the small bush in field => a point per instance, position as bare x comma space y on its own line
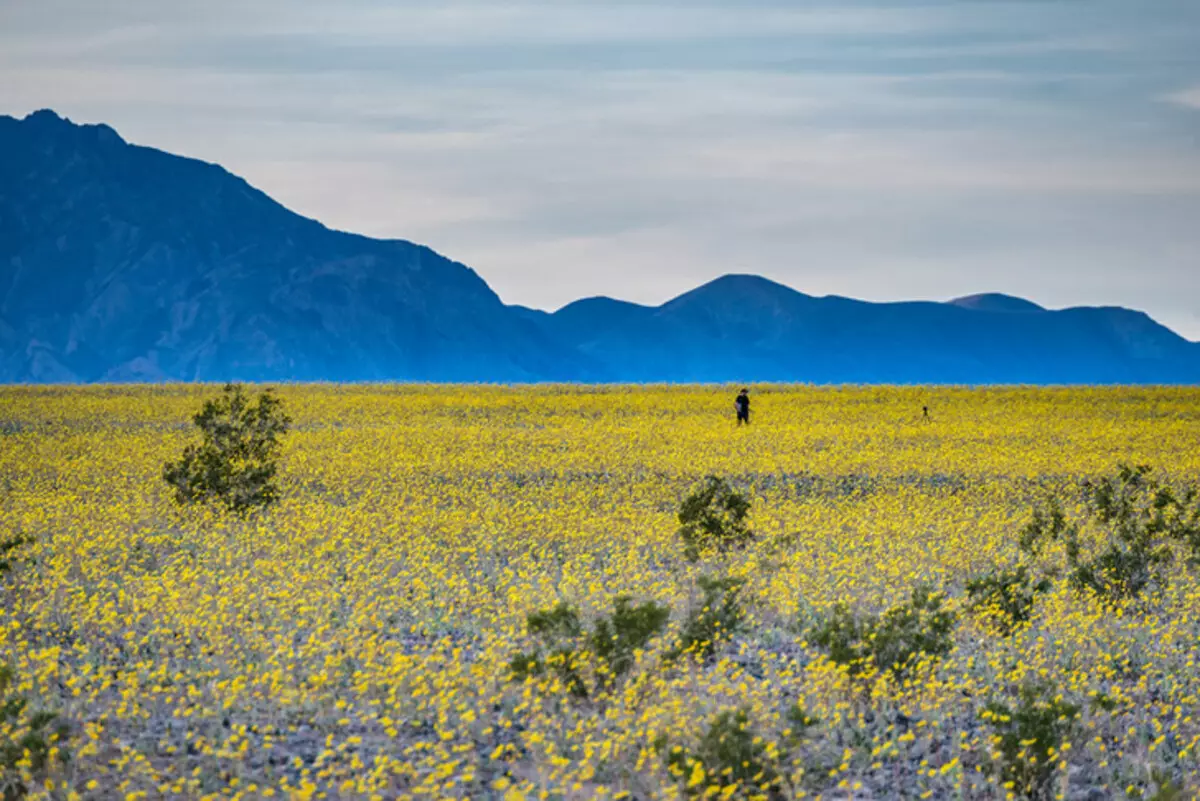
10, 551
1028, 739
29, 742
1140, 521
920, 626
558, 628
718, 616
894, 641
729, 760
615, 639
845, 638
610, 647
800, 722
713, 518
1006, 596
237, 458
1048, 524
1166, 788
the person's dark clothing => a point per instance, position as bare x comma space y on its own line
742, 404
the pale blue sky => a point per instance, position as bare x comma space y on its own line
873, 148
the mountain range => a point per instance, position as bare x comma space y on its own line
125, 263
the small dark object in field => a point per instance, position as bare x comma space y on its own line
741, 405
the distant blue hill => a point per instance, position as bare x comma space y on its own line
742, 326
120, 262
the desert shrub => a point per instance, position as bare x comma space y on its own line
920, 626
237, 458
894, 641
729, 759
616, 639
717, 616
1133, 500
1047, 525
845, 638
10, 551
800, 722
30, 742
713, 518
1166, 788
562, 661
1028, 739
1139, 520
558, 628
1006, 596
611, 646
558, 622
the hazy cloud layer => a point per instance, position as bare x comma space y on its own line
873, 148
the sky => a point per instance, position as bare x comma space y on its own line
876, 149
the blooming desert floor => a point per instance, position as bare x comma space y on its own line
356, 639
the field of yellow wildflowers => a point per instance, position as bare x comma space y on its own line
354, 640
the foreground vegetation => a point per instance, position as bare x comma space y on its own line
509, 593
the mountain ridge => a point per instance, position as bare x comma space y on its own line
122, 262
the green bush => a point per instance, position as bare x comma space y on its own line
1140, 520
713, 518
1029, 737
10, 551
559, 622
892, 642
1006, 596
728, 758
1166, 788
1048, 525
557, 628
845, 638
29, 742
718, 616
616, 639
1133, 500
800, 722
911, 629
610, 647
237, 458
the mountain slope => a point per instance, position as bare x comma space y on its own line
120, 262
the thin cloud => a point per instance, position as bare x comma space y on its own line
1188, 98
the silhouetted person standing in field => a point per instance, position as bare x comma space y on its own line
742, 404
